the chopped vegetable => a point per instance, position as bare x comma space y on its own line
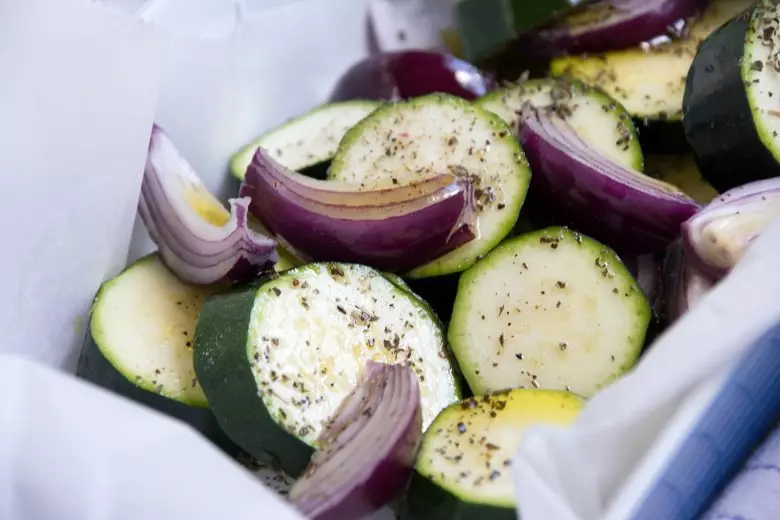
731, 117
631, 212
489, 26
409, 141
394, 229
601, 122
647, 270
367, 450
197, 238
141, 339
464, 467
276, 361
649, 80
307, 140
551, 309
716, 238
685, 284
606, 25
411, 73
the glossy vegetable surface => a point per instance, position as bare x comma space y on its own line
197, 238
394, 229
367, 450
406, 74
631, 212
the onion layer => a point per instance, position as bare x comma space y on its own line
633, 213
407, 74
197, 238
367, 450
607, 25
685, 284
717, 237
393, 229
647, 269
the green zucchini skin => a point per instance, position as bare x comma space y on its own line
94, 367
220, 363
427, 501
719, 124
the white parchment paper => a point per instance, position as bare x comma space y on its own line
78, 90
235, 69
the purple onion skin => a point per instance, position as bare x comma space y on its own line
685, 284
394, 244
631, 221
407, 74
389, 476
652, 18
387, 433
753, 197
648, 272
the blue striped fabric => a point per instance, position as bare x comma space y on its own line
744, 411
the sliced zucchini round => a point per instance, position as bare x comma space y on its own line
464, 466
597, 118
650, 80
552, 309
307, 140
426, 136
140, 345
277, 361
731, 99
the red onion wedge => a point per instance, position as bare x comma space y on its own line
368, 449
405, 74
198, 239
607, 25
717, 237
647, 270
633, 213
394, 229
685, 284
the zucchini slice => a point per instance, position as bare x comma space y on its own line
140, 345
552, 309
650, 81
463, 469
276, 361
680, 171
307, 140
425, 136
732, 101
600, 120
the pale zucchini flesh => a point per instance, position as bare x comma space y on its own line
143, 321
761, 71
650, 80
308, 139
597, 118
426, 136
468, 449
312, 330
551, 309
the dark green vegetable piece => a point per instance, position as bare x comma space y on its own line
731, 101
